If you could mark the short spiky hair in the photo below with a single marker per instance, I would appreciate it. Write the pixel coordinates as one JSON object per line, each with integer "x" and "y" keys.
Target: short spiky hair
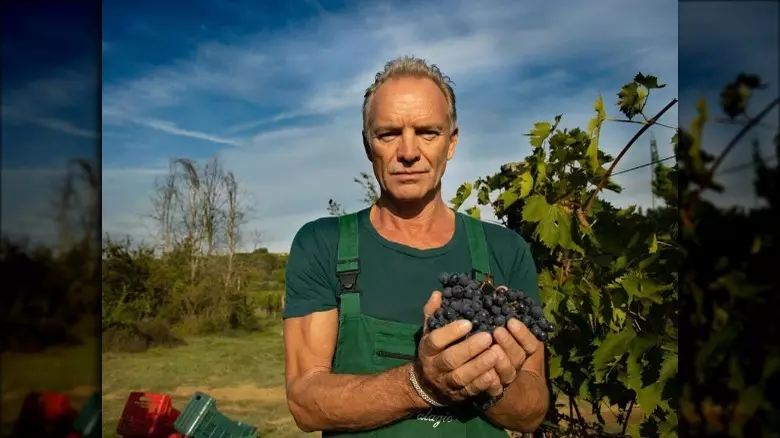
{"x": 410, "y": 66}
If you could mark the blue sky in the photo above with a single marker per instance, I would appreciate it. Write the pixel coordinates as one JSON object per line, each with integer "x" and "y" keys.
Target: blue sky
{"x": 276, "y": 91}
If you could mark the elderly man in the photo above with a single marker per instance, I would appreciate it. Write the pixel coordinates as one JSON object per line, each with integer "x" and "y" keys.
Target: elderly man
{"x": 359, "y": 287}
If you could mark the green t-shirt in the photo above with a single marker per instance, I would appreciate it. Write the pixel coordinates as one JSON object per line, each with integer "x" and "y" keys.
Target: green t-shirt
{"x": 395, "y": 280}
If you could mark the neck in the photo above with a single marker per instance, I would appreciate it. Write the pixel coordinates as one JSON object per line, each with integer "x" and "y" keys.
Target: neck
{"x": 412, "y": 217}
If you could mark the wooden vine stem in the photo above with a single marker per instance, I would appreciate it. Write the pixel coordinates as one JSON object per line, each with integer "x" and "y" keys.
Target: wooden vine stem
{"x": 630, "y": 143}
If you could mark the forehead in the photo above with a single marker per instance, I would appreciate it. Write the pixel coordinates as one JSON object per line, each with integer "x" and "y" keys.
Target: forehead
{"x": 409, "y": 96}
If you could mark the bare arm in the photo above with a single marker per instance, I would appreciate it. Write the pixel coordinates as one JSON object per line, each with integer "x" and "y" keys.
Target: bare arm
{"x": 526, "y": 400}
{"x": 321, "y": 400}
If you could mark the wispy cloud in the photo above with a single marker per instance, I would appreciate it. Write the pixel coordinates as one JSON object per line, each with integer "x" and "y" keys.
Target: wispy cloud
{"x": 285, "y": 101}
{"x": 171, "y": 128}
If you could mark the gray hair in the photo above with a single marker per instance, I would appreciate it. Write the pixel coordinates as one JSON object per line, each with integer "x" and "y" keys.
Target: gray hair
{"x": 410, "y": 66}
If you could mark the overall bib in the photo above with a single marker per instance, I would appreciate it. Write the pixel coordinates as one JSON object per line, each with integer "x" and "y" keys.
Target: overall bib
{"x": 368, "y": 345}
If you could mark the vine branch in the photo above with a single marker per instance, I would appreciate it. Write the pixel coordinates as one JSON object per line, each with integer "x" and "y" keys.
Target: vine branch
{"x": 630, "y": 143}
{"x": 696, "y": 194}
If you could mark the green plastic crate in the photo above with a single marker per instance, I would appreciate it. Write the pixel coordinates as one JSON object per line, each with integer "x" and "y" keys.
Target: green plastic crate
{"x": 201, "y": 419}
{"x": 88, "y": 423}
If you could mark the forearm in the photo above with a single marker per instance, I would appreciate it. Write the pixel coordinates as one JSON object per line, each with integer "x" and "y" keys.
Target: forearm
{"x": 524, "y": 404}
{"x": 346, "y": 402}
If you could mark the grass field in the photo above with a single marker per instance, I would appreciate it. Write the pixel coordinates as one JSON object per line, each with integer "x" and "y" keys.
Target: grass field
{"x": 245, "y": 374}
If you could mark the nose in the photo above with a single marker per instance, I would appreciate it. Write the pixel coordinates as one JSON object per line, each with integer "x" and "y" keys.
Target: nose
{"x": 408, "y": 150}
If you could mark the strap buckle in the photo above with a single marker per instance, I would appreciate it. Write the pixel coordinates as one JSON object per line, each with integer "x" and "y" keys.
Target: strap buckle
{"x": 348, "y": 277}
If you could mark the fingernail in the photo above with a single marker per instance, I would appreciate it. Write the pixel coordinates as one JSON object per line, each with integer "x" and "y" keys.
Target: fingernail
{"x": 464, "y": 325}
{"x": 513, "y": 324}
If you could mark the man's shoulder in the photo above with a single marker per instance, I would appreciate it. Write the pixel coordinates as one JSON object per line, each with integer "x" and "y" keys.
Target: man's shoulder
{"x": 322, "y": 229}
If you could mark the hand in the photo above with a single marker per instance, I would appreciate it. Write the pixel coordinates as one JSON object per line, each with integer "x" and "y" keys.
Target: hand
{"x": 513, "y": 346}
{"x": 453, "y": 373}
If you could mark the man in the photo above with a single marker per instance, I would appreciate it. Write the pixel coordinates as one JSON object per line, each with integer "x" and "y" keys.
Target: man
{"x": 360, "y": 286}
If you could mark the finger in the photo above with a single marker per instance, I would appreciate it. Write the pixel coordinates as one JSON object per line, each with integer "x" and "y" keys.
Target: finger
{"x": 504, "y": 368}
{"x": 515, "y": 353}
{"x": 486, "y": 382}
{"x": 434, "y": 302}
{"x": 437, "y": 340}
{"x": 462, "y": 352}
{"x": 523, "y": 336}
{"x": 465, "y": 374}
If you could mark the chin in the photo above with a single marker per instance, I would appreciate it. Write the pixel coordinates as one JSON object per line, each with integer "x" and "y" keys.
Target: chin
{"x": 410, "y": 193}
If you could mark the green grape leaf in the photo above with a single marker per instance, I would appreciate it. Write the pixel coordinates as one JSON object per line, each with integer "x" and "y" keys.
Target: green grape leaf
{"x": 649, "y": 397}
{"x": 524, "y": 183}
{"x": 613, "y": 345}
{"x": 640, "y": 287}
{"x": 463, "y": 193}
{"x": 474, "y": 212}
{"x": 630, "y": 100}
{"x": 554, "y": 224}
{"x": 650, "y": 82}
{"x": 539, "y": 133}
{"x": 594, "y": 131}
{"x": 555, "y": 367}
{"x": 483, "y": 195}
{"x": 632, "y": 430}
{"x": 507, "y": 198}
{"x": 668, "y": 367}
{"x": 668, "y": 428}
{"x": 653, "y": 244}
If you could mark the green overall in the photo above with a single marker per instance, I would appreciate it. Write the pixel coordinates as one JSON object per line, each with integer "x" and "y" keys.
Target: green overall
{"x": 368, "y": 345}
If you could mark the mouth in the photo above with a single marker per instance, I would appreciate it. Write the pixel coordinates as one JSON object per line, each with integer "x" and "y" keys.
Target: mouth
{"x": 410, "y": 173}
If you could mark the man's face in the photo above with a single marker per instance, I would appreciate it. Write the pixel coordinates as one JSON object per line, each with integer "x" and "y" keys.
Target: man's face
{"x": 409, "y": 137}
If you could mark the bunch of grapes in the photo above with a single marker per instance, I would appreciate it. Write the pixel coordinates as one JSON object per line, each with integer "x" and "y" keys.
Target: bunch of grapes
{"x": 486, "y": 306}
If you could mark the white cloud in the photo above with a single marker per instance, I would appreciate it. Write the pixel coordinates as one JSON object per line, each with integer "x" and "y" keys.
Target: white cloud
{"x": 499, "y": 55}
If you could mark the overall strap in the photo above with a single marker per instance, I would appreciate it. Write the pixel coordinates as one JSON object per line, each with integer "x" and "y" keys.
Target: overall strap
{"x": 478, "y": 250}
{"x": 348, "y": 264}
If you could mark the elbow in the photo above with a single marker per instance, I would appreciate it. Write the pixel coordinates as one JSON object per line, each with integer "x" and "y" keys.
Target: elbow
{"x": 302, "y": 418}
{"x": 302, "y": 415}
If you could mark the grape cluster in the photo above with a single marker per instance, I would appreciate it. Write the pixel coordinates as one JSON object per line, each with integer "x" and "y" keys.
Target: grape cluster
{"x": 486, "y": 306}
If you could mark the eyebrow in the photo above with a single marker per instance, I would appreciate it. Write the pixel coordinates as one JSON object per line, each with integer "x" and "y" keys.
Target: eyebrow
{"x": 390, "y": 127}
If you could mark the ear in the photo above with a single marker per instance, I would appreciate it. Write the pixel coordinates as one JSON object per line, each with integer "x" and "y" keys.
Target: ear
{"x": 367, "y": 147}
{"x": 453, "y": 143}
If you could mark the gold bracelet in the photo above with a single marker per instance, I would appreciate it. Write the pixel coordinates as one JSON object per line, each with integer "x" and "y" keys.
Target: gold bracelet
{"x": 428, "y": 399}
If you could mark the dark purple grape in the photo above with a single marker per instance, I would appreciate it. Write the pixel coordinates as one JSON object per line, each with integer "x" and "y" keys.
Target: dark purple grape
{"x": 469, "y": 313}
{"x": 537, "y": 311}
{"x": 506, "y": 310}
{"x": 464, "y": 280}
{"x": 499, "y": 321}
{"x": 487, "y": 300}
{"x": 438, "y": 313}
{"x": 456, "y": 305}
{"x": 495, "y": 310}
{"x": 526, "y": 320}
{"x": 550, "y": 327}
{"x": 432, "y": 322}
{"x": 468, "y": 293}
{"x": 451, "y": 314}
{"x": 444, "y": 278}
{"x": 454, "y": 279}
{"x": 499, "y": 300}
{"x": 447, "y": 293}
{"x": 520, "y": 295}
{"x": 445, "y": 302}
{"x": 457, "y": 291}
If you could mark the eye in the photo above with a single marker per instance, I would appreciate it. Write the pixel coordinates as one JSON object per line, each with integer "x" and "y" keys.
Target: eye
{"x": 387, "y": 136}
{"x": 429, "y": 134}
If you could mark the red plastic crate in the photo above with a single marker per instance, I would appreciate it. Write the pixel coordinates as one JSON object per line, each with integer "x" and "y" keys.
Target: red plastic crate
{"x": 46, "y": 414}
{"x": 147, "y": 415}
